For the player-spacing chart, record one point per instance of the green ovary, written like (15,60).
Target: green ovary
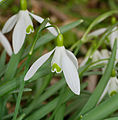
(55,66)
(113,93)
(29,28)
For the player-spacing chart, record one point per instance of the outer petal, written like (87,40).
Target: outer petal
(97,32)
(40,20)
(19,34)
(6,44)
(73,58)
(113,36)
(36,65)
(10,24)
(104,93)
(71,74)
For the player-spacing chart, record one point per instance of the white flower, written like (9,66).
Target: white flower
(63,60)
(23,25)
(111,88)
(5,44)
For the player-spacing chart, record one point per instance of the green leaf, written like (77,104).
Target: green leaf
(101,85)
(114,118)
(51,105)
(103,110)
(2,60)
(60,113)
(12,66)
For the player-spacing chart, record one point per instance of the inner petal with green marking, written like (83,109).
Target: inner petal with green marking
(113,93)
(29,29)
(56,68)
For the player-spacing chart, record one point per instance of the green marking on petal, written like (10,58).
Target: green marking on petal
(113,93)
(29,29)
(56,67)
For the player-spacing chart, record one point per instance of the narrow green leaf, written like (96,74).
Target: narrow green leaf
(114,118)
(12,66)
(103,110)
(2,60)
(60,113)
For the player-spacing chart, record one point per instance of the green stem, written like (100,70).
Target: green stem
(41,27)
(23,4)
(22,84)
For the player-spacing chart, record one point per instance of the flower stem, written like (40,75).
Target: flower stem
(41,27)
(23,4)
(22,84)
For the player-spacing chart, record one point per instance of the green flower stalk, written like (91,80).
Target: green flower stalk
(23,4)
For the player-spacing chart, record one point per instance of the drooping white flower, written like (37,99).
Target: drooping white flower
(6,44)
(23,25)
(63,60)
(111,88)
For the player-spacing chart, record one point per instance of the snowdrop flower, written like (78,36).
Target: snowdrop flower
(111,88)
(5,44)
(23,25)
(63,60)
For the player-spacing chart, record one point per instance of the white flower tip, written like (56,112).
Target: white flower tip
(16,51)
(77,92)
(26,78)
(10,53)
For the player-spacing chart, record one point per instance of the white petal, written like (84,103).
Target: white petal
(6,44)
(52,30)
(97,32)
(10,24)
(104,92)
(113,85)
(71,74)
(73,58)
(37,64)
(40,20)
(19,34)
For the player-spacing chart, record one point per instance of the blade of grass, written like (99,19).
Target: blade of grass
(103,110)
